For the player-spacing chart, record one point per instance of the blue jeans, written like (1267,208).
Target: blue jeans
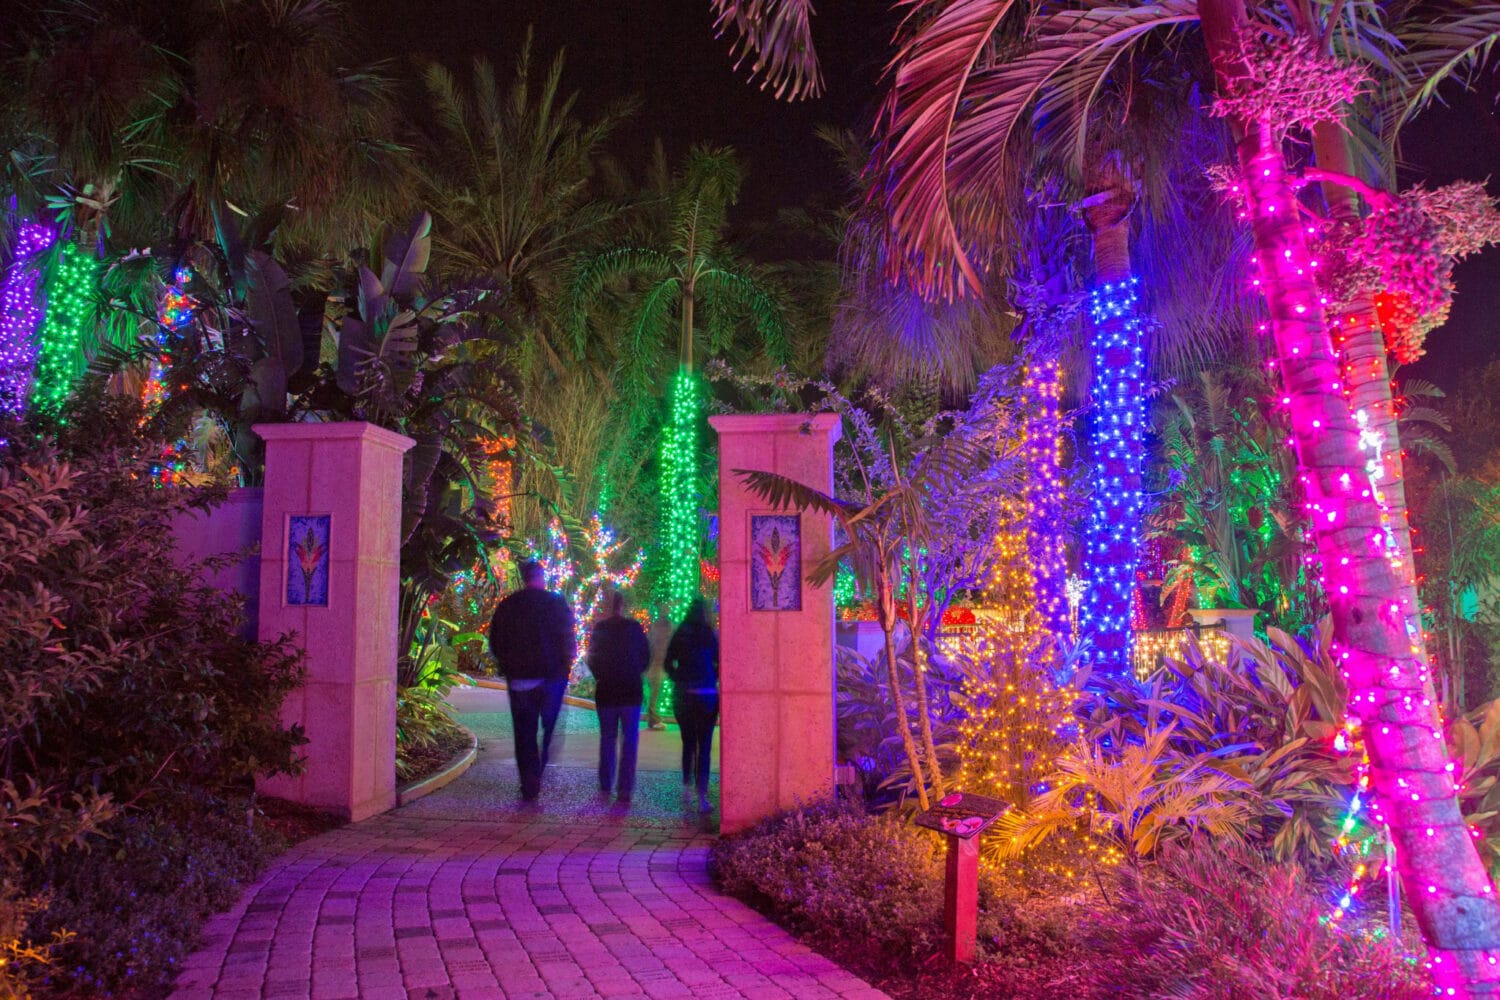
(539,705)
(619,728)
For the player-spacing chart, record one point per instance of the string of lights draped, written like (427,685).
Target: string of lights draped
(1046,551)
(1111,545)
(20,312)
(69,320)
(586,589)
(679,490)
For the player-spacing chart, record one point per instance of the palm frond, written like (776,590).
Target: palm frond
(1072,50)
(776,36)
(741,293)
(785,493)
(1453,45)
(930,77)
(592,270)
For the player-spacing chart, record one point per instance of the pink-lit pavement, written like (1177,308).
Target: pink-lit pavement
(469,895)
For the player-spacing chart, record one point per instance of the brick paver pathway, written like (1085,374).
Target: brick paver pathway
(469,895)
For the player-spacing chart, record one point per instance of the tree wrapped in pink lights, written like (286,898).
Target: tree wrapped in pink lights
(1367,569)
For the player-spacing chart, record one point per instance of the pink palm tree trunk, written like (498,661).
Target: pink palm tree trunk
(1378,639)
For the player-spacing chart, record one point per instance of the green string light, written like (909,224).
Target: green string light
(679,491)
(69,319)
(844,591)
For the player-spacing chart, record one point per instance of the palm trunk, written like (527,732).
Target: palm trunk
(679,465)
(679,489)
(919,673)
(1377,629)
(886,599)
(1361,344)
(685,348)
(1115,510)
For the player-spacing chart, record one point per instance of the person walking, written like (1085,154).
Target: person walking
(618,655)
(532,639)
(693,665)
(660,635)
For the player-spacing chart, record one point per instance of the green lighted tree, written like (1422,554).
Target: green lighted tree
(691,272)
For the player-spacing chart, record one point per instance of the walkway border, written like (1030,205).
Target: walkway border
(494,685)
(446,776)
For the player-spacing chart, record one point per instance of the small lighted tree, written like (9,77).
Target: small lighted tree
(610,567)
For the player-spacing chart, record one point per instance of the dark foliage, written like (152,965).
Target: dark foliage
(130,702)
(135,902)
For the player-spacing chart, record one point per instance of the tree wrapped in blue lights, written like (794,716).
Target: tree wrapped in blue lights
(1112,542)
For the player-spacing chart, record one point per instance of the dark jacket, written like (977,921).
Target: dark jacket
(532,636)
(693,657)
(618,657)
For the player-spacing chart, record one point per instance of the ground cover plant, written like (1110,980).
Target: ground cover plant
(1202,921)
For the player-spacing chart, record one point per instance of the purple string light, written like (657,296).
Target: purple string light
(20,313)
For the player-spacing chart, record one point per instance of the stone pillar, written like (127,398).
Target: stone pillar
(330,575)
(776,679)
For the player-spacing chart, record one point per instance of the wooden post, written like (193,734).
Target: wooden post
(961,897)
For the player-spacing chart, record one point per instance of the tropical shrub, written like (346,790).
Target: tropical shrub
(1212,921)
(425,729)
(838,875)
(1137,796)
(1269,717)
(126,685)
(133,904)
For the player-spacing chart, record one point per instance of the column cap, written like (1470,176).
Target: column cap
(343,430)
(778,423)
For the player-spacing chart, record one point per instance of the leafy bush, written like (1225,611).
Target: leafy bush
(1213,922)
(135,901)
(424,726)
(1139,796)
(840,876)
(125,683)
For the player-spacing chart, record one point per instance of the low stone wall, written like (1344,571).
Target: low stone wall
(231,529)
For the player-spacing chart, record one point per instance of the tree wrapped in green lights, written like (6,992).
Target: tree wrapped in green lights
(692,269)
(62,340)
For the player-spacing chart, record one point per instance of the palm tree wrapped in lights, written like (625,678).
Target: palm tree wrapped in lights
(692,270)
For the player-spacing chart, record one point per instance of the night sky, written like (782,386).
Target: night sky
(664,53)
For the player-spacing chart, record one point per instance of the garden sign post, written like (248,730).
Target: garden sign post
(330,574)
(961,817)
(777,737)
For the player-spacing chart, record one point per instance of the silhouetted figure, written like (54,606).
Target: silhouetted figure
(659,636)
(531,637)
(693,666)
(618,656)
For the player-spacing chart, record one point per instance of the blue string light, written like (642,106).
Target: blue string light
(1112,548)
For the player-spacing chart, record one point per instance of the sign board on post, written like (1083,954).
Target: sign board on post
(961,817)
